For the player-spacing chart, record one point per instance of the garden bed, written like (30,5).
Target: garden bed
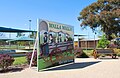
(19,64)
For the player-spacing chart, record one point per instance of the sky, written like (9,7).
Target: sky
(17,13)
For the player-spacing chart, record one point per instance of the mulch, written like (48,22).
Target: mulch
(16,68)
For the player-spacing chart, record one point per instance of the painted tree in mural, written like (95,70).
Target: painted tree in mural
(104,14)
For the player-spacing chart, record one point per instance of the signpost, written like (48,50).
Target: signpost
(54,44)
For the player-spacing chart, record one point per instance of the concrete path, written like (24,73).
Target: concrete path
(83,68)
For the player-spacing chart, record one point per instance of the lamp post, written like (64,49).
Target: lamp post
(9,41)
(29,29)
(30,24)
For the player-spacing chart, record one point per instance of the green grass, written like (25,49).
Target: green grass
(20,60)
(88,52)
(44,64)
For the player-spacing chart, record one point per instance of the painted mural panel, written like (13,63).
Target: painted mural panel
(55,44)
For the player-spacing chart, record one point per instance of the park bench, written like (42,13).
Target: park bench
(98,52)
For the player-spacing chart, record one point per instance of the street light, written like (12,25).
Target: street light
(30,24)
(29,29)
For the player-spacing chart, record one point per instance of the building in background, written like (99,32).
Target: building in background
(88,43)
(77,38)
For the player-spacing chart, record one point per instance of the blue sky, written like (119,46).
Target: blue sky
(16,13)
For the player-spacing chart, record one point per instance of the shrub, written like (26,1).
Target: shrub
(117,51)
(34,61)
(118,54)
(5,61)
(103,42)
(103,55)
(78,52)
(84,55)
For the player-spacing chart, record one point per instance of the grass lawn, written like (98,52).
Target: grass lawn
(20,60)
(88,52)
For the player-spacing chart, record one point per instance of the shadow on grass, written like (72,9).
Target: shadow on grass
(74,66)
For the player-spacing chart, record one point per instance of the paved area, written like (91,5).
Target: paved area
(82,68)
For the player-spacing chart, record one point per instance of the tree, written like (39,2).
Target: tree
(104,14)
(103,42)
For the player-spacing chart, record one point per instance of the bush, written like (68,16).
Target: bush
(88,52)
(29,55)
(117,51)
(78,52)
(5,61)
(118,54)
(103,42)
(83,55)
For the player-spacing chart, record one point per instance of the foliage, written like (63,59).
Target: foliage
(104,14)
(22,43)
(29,55)
(5,61)
(89,52)
(113,36)
(103,42)
(83,55)
(79,53)
(118,55)
(117,51)
(20,60)
(70,39)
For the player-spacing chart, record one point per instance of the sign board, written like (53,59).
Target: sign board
(55,44)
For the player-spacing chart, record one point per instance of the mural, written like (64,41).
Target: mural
(55,44)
